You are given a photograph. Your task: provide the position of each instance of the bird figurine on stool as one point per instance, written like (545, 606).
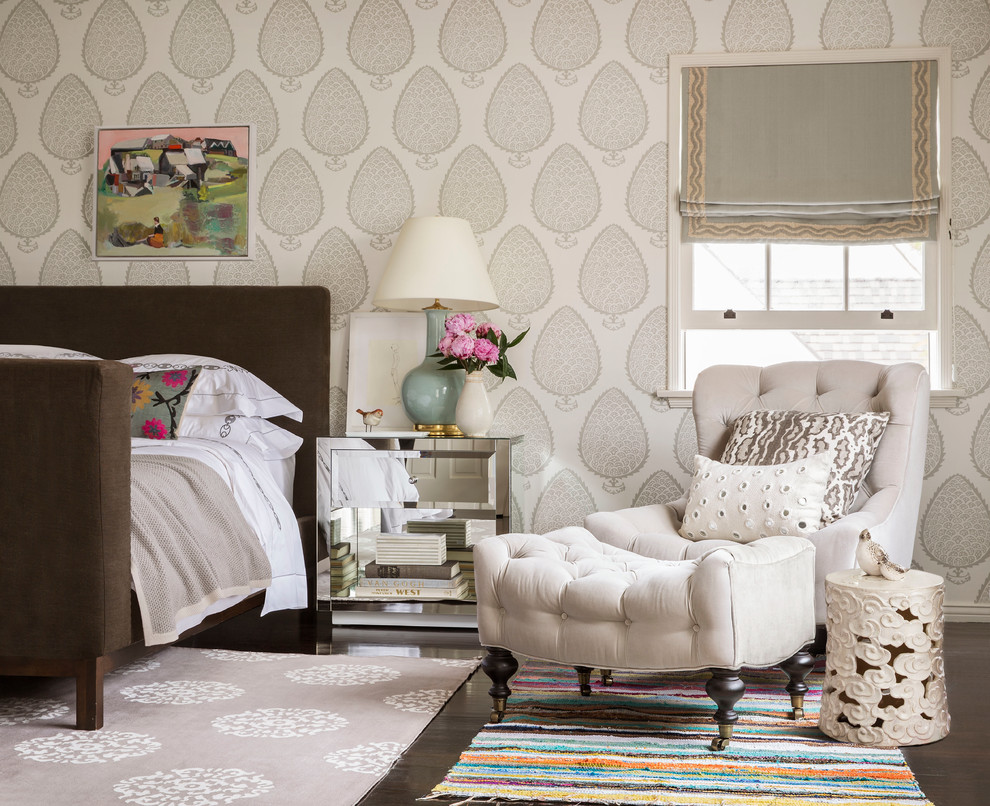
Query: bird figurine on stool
(371, 418)
(874, 561)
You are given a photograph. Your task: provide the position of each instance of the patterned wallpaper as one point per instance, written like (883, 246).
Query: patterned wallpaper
(543, 122)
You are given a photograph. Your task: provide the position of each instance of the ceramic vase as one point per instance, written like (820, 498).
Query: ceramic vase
(473, 414)
(429, 393)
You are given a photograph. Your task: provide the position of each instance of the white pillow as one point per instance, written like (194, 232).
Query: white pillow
(273, 441)
(222, 387)
(743, 503)
(41, 351)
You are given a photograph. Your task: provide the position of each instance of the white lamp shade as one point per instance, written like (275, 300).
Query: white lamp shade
(436, 258)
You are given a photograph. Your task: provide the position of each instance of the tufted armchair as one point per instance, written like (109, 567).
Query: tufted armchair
(888, 501)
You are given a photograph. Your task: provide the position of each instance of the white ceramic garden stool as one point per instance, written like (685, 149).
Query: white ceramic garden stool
(884, 673)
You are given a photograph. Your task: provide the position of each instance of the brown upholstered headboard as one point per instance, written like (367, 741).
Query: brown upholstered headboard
(281, 334)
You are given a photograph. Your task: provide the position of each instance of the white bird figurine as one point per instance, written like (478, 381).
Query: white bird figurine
(874, 561)
(371, 418)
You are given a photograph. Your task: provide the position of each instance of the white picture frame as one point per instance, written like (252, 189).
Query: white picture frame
(382, 348)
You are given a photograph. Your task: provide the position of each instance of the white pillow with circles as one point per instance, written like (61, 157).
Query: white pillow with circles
(743, 503)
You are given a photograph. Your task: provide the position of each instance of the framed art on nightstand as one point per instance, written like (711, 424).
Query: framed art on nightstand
(383, 347)
(173, 193)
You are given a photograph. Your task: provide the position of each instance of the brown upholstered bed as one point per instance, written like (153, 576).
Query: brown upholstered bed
(66, 606)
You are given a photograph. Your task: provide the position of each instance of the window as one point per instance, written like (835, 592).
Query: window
(811, 246)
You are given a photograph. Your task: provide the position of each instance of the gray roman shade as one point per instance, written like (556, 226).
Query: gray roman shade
(810, 152)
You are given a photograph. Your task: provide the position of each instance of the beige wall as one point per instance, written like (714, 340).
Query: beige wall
(542, 122)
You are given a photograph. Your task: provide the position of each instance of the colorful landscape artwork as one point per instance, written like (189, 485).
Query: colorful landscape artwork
(173, 192)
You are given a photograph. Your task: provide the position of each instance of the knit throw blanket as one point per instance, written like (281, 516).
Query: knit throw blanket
(190, 543)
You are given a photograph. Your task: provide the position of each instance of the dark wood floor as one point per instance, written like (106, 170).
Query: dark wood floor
(952, 772)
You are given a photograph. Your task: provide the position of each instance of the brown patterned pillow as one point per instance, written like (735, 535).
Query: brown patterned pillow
(767, 437)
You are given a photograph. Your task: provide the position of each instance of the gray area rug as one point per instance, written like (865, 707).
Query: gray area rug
(198, 727)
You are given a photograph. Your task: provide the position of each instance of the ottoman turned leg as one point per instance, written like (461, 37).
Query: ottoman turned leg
(725, 688)
(584, 679)
(797, 667)
(499, 665)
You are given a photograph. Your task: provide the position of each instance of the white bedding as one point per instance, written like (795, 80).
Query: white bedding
(266, 509)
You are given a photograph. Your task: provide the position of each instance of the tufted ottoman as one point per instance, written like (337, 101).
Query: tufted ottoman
(568, 598)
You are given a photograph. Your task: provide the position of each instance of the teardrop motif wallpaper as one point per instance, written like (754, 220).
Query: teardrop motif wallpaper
(543, 123)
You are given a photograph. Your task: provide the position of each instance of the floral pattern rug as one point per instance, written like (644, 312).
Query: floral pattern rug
(196, 727)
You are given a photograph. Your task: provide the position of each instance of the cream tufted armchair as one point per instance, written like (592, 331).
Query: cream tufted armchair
(888, 501)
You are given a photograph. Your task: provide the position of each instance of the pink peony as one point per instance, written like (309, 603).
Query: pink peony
(462, 347)
(154, 429)
(485, 351)
(460, 324)
(487, 327)
(175, 378)
(444, 346)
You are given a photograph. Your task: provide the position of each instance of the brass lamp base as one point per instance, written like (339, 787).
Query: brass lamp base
(439, 429)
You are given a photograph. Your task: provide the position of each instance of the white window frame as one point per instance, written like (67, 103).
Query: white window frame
(681, 317)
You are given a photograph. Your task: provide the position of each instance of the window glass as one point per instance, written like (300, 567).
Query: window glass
(887, 276)
(806, 277)
(729, 275)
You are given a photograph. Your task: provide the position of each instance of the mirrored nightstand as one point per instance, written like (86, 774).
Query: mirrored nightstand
(398, 519)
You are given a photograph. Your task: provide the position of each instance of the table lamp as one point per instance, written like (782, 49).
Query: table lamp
(435, 267)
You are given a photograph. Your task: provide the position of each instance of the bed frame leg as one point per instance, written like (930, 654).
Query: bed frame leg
(89, 693)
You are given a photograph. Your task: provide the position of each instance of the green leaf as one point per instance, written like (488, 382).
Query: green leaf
(518, 338)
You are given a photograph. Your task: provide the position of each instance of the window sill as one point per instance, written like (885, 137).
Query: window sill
(940, 398)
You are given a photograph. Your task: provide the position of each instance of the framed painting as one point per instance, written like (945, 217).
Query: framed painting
(174, 192)
(382, 348)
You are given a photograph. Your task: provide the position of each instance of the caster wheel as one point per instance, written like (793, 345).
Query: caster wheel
(585, 690)
(798, 713)
(607, 680)
(495, 716)
(718, 743)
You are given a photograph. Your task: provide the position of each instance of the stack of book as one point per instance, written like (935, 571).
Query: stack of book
(330, 533)
(409, 549)
(343, 569)
(442, 581)
(465, 559)
(460, 545)
(412, 565)
(456, 530)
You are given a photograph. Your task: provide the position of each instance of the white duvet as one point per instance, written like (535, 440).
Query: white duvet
(265, 507)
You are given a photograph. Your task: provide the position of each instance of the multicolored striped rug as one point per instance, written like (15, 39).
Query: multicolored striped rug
(644, 740)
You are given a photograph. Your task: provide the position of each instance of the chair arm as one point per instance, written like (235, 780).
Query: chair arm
(772, 584)
(618, 528)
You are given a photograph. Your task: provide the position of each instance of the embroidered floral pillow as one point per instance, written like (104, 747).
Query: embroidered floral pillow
(158, 400)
